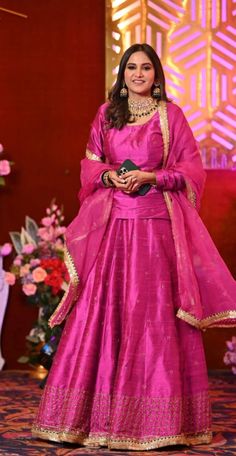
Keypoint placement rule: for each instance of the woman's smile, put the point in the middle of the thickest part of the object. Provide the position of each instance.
(139, 75)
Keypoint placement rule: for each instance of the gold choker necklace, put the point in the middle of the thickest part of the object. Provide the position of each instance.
(141, 108)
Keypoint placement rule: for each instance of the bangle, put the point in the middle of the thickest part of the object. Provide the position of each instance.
(106, 180)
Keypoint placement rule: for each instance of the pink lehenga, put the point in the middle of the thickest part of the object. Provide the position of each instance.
(130, 370)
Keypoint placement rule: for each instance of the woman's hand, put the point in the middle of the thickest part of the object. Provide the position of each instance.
(136, 178)
(118, 181)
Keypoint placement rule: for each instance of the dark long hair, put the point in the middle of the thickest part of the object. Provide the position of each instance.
(117, 113)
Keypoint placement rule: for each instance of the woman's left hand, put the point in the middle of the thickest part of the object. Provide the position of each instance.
(136, 178)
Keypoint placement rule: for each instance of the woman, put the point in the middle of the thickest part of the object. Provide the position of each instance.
(130, 371)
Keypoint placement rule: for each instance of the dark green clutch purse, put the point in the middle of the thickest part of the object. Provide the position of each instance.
(128, 165)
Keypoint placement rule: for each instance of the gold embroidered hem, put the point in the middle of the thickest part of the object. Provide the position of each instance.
(213, 321)
(122, 443)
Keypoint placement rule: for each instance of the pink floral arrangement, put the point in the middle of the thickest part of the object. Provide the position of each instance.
(40, 268)
(5, 167)
(230, 355)
(39, 263)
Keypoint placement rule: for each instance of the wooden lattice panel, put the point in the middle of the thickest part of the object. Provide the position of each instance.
(196, 41)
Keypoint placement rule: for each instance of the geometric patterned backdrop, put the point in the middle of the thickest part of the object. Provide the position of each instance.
(196, 41)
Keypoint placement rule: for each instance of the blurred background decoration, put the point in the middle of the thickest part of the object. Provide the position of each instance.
(196, 42)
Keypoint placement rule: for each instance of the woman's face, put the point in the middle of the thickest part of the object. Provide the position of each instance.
(139, 75)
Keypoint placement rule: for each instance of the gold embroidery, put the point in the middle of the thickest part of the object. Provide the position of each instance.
(92, 156)
(122, 443)
(72, 286)
(150, 416)
(162, 109)
(189, 318)
(191, 195)
(168, 201)
(212, 321)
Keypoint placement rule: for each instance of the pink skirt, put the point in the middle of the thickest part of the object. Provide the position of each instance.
(128, 374)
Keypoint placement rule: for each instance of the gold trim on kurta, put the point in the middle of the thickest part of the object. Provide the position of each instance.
(91, 156)
(72, 286)
(121, 443)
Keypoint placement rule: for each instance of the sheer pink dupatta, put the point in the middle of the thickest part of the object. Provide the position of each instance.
(207, 291)
(84, 235)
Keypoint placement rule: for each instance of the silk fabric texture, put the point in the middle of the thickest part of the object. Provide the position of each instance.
(206, 287)
(128, 373)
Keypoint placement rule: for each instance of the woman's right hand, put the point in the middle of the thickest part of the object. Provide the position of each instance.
(118, 182)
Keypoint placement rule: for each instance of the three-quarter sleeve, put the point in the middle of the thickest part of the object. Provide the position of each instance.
(169, 180)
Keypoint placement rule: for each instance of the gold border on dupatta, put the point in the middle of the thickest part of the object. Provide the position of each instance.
(191, 195)
(74, 279)
(73, 283)
(122, 443)
(213, 321)
(162, 109)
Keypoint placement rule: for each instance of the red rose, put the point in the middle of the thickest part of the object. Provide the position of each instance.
(51, 264)
(54, 280)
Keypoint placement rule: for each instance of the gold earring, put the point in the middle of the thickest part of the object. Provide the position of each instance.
(123, 91)
(156, 93)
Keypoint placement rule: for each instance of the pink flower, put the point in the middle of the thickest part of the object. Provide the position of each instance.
(60, 230)
(29, 289)
(1, 148)
(24, 270)
(54, 207)
(230, 345)
(10, 278)
(5, 249)
(17, 261)
(232, 357)
(28, 249)
(39, 274)
(34, 262)
(47, 221)
(4, 167)
(59, 245)
(47, 234)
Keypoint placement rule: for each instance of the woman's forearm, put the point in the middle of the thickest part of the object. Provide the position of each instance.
(149, 178)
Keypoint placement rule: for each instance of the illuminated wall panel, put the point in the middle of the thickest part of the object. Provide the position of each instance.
(196, 41)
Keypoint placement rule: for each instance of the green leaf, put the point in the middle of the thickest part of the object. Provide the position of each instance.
(2, 181)
(23, 359)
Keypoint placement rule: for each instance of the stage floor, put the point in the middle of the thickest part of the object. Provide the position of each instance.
(19, 397)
